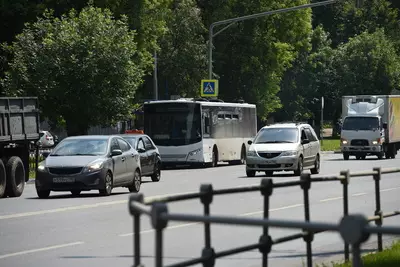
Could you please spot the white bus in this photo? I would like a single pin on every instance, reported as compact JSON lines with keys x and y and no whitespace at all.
{"x":198,"y":131}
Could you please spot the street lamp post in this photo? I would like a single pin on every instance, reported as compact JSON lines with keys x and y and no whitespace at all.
{"x":230,"y":22}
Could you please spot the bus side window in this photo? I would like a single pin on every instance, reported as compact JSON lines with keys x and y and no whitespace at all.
{"x":206,"y":124}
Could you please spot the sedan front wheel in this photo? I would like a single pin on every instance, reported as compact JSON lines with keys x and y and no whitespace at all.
{"x":137,"y":181}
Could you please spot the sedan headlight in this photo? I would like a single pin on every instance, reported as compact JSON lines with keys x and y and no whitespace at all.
{"x":289,"y":153}
{"x":41,"y":167}
{"x":94,"y":166}
{"x":251,"y":153}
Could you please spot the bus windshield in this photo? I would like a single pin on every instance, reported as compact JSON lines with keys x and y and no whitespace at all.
{"x":360,"y":124}
{"x":173,"y":124}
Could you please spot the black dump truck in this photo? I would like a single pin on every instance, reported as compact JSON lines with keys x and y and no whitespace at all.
{"x":19,"y":133}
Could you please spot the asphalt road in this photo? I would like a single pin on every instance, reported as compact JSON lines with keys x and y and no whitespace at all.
{"x":91,"y":230}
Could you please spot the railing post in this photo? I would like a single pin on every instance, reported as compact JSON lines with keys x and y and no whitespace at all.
{"x":378,"y":211}
{"x":159,"y":223}
{"x":136,"y":227}
{"x":265,"y":240}
{"x":345,"y":182}
{"x":352,"y":230}
{"x":306,"y":185}
{"x":208,"y":252}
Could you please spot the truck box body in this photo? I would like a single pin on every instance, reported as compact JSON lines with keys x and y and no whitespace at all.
{"x":19,"y":119}
{"x":371,"y":125}
{"x":19,"y":127}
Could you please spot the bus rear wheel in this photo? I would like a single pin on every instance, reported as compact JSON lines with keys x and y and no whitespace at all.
{"x":214,"y":159}
{"x":242,"y":159}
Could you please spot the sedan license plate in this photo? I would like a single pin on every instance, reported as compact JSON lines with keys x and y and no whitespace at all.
{"x":270,"y":162}
{"x":63,"y":180}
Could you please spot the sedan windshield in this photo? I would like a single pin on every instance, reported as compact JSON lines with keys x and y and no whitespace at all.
{"x":277,"y":135}
{"x":81,"y":147}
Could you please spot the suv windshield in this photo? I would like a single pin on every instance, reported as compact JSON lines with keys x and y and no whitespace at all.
{"x":277,"y":135}
{"x":81,"y":147}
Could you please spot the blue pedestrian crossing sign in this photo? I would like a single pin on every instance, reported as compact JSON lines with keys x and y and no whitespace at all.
{"x":209,"y":88}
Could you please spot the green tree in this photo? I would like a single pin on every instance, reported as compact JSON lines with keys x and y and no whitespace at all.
{"x":309,"y":79}
{"x":251,"y":57}
{"x":343,"y":20}
{"x":183,"y":54}
{"x":80,"y":66}
{"x":368,"y":64}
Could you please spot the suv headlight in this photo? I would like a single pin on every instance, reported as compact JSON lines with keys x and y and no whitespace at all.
{"x":95,"y":166}
{"x":251,"y":153}
{"x":289,"y":153}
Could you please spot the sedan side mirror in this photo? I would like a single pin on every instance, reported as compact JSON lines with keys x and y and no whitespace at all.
{"x":249,"y":142}
{"x":141,"y":150}
{"x":116,"y":152}
{"x":45,"y":154}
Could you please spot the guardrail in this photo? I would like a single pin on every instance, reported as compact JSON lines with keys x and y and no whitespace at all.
{"x":353,"y":228}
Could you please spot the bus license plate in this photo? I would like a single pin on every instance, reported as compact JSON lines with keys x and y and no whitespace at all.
{"x":63,"y":180}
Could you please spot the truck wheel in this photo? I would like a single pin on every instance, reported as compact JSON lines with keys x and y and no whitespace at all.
{"x":346,"y":156}
{"x":3,"y":179}
{"x":15,"y":177}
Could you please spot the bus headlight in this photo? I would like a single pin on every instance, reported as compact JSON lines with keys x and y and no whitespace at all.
{"x":194,"y":152}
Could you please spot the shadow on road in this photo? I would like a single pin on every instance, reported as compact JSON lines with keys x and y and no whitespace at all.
{"x":315,"y":254}
{"x":191,"y":167}
{"x":84,"y":195}
{"x":278,"y":175}
{"x":353,"y":159}
{"x":287,"y":255}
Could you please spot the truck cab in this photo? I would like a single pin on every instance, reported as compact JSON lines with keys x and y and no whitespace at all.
{"x":363,"y":130}
{"x":362,"y":135}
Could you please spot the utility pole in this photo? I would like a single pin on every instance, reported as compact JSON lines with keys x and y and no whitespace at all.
{"x":155,"y":78}
{"x":232,"y":21}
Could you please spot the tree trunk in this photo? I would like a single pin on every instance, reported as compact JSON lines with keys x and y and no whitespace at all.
{"x":75,"y":128}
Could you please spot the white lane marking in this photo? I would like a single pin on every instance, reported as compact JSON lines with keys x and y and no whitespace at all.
{"x":390,"y":189}
{"x":109,"y":203}
{"x":241,"y":215}
{"x":169,"y":227}
{"x":40,"y":250}
{"x":275,"y":209}
{"x":80,"y":207}
{"x":358,"y":194}
{"x":330,"y":199}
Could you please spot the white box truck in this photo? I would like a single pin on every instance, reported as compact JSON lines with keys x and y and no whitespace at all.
{"x":371,"y":126}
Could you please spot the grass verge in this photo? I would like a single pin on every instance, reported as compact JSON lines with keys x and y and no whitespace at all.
{"x":330,"y":145}
{"x":389,"y":257}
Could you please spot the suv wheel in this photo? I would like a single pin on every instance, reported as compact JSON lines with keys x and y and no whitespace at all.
{"x":299,"y":169}
{"x":317,"y":166}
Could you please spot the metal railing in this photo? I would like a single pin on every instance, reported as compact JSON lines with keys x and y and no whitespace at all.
{"x":353,"y":228}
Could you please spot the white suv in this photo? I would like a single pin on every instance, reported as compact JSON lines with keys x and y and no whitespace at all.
{"x":284,"y":147}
